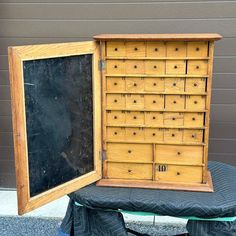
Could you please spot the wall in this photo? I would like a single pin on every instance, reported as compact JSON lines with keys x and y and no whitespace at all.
{"x":32,"y":22}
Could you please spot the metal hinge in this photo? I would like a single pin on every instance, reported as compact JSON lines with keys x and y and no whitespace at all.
{"x":101,"y":64}
{"x":103,"y":156}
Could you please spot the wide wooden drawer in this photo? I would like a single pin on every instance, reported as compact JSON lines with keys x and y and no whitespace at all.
{"x":178,"y":154}
{"x":129,"y":171}
{"x":129,"y":152}
{"x":178,"y":173}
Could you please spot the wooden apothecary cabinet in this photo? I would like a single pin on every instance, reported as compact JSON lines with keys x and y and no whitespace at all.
{"x":123,"y":110}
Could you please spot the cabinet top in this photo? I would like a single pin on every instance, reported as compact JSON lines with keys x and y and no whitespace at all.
{"x":159,"y":37}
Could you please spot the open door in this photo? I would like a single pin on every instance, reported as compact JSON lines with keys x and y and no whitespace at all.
{"x":56,"y":108}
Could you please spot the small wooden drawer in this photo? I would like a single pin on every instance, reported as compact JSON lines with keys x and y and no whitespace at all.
{"x":193,"y":136}
{"x":115,"y":117}
{"x":135,"y":49}
{"x":154,"y":118}
{"x":129,"y":152}
{"x":153,"y":135}
{"x":174,"y":102}
{"x":135,"y":117}
{"x":115,"y":133}
{"x":195,"y":102}
{"x":173,"y":119}
{"x":178,"y":173}
{"x":134,"y":101}
{"x":194,"y":119}
{"x":134,"y":134}
{"x":171,"y":154}
{"x":115,"y":101}
{"x":197,"y":67}
{"x":154,"y":101}
{"x":154,"y":84}
{"x":195,"y":85}
{"x":115,"y":66}
{"x":176,"y":49}
{"x":134,"y":67}
{"x":115,"y":49}
{"x":115,"y":84}
{"x":134,"y":84}
{"x":129,"y":171}
{"x":176,"y":67}
{"x":174,"y":84}
{"x":156,"y":49}
{"x":197,"y":49}
{"x":173,"y":135}
{"x":155,"y":67}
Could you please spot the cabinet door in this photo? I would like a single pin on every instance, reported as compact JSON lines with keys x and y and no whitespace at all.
{"x":56,"y":100}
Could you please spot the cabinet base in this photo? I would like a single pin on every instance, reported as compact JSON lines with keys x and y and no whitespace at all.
{"x":124,"y":183}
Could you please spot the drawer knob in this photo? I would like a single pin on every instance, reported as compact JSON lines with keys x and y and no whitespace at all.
{"x":115,"y":117}
{"x":116,"y":49}
{"x":174,"y":102}
{"x":178,"y":153}
{"x":134,"y":133}
{"x":154,"y":67}
{"x":195,"y":84}
{"x":115,"y":100}
{"x":135,"y":49}
{"x":135,"y":101}
{"x":115,"y":84}
{"x":176,"y":49}
{"x":129,"y":171}
{"x":175,"y":67}
{"x":173,"y":118}
{"x":193,"y":118}
{"x":135,"y":84}
{"x":173,"y":135}
{"x":197,"y":49}
{"x":156,"y":49}
{"x":129,"y":151}
{"x":174,"y":84}
{"x":197,"y":67}
{"x":153,"y":117}
{"x":154,"y":134}
{"x":195,"y":102}
{"x":178,"y":173}
{"x":135,"y":66}
{"x":115,"y":133}
{"x":135,"y":117}
{"x":115,"y":66}
{"x":154,"y":84}
{"x":193,"y":136}
{"x":153,"y":101}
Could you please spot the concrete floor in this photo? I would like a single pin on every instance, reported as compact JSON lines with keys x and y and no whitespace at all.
{"x":51,"y":214}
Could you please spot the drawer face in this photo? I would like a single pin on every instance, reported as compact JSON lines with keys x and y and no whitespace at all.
{"x":195,"y":85}
{"x":115,"y":84}
{"x":175,"y":67}
{"x":134,"y":134}
{"x":194,"y":119}
{"x":154,"y":84}
{"x":135,"y":49}
{"x":115,"y":133}
{"x":156,"y":49}
{"x":174,"y":84}
{"x":173,"y":119}
{"x":115,"y":49}
{"x":129,"y":152}
{"x":115,"y":117}
{"x":179,"y":154}
{"x":153,"y":135}
{"x":154,"y":101}
{"x":134,"y":101}
{"x":115,"y":66}
{"x":134,"y":84}
{"x":178,"y":173}
{"x":173,"y":135}
{"x":193,"y":136}
{"x":115,"y":101}
{"x":134,"y":67}
{"x":176,"y":49}
{"x":195,"y":102}
{"x":197,"y":49}
{"x":135,"y":118}
{"x":129,"y":171}
{"x":155,"y":67}
{"x":197,"y":67}
{"x":154,"y":118}
{"x":174,"y":102}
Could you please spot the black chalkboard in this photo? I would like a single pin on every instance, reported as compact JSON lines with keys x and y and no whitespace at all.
{"x":59,"y":117}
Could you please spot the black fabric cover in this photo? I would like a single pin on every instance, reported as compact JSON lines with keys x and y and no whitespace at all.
{"x":221,"y":203}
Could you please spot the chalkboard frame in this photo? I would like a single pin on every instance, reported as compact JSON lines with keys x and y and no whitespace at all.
{"x":17,"y":55}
